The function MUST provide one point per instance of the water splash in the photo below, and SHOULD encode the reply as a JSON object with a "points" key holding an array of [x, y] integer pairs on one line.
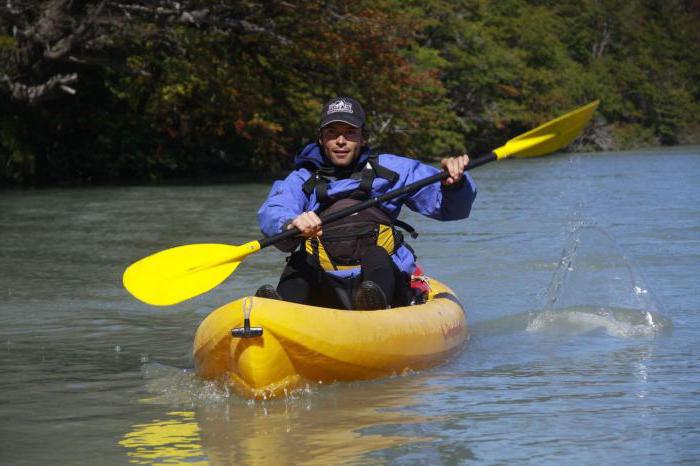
{"points": [[596, 287], [619, 322], [173, 386]]}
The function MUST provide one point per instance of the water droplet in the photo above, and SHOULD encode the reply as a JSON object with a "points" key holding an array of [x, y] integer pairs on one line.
{"points": [[650, 319]]}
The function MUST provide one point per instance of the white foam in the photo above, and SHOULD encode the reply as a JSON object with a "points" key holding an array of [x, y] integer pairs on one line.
{"points": [[623, 323]]}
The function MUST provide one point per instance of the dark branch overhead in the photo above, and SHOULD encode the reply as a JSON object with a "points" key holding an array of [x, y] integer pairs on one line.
{"points": [[58, 33]]}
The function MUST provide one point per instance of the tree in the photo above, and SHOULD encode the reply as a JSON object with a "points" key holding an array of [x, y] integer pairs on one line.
{"points": [[204, 86]]}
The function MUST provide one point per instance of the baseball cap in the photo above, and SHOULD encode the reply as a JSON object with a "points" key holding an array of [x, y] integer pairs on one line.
{"points": [[344, 109]]}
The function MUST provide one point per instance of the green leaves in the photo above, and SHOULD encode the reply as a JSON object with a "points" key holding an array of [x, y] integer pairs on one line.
{"points": [[206, 87]]}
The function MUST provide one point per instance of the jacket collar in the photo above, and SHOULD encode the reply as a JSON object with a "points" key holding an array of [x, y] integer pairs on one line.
{"points": [[311, 157]]}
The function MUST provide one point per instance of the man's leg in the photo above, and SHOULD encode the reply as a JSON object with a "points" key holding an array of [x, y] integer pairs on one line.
{"points": [[304, 281], [298, 279], [377, 266]]}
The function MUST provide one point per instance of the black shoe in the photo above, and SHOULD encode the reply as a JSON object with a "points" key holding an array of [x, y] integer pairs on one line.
{"points": [[269, 292], [370, 297]]}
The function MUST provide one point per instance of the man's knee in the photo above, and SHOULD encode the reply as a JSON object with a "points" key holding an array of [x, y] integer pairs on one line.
{"points": [[375, 253]]}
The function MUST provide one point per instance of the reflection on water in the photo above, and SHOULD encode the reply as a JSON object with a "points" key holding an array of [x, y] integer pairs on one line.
{"points": [[171, 440], [337, 425]]}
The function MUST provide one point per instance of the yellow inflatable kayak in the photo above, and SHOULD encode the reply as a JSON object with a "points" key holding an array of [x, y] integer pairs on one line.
{"points": [[287, 345]]}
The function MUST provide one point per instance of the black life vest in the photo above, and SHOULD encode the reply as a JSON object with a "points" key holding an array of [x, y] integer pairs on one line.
{"points": [[344, 241]]}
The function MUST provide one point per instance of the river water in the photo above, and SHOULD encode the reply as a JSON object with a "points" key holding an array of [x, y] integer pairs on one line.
{"points": [[580, 278]]}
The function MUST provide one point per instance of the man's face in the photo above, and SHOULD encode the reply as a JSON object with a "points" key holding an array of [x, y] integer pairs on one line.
{"points": [[341, 143]]}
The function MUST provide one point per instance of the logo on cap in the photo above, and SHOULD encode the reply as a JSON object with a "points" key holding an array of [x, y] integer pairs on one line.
{"points": [[339, 106]]}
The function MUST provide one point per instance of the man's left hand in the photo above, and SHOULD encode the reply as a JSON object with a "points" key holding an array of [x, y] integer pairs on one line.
{"points": [[455, 166]]}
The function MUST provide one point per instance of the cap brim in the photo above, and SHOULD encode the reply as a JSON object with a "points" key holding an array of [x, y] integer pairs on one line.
{"points": [[340, 121], [351, 120]]}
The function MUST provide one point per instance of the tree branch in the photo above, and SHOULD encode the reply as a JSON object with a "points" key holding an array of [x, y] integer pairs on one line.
{"points": [[41, 92]]}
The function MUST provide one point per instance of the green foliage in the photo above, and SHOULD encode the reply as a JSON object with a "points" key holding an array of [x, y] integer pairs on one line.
{"points": [[436, 77], [15, 158]]}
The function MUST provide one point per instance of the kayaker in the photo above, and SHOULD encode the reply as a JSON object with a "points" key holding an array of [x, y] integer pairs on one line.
{"points": [[361, 261]]}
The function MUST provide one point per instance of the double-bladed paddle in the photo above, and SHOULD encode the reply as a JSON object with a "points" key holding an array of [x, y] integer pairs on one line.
{"points": [[180, 273]]}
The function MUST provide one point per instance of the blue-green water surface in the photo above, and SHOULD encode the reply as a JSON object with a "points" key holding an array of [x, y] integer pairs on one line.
{"points": [[579, 273]]}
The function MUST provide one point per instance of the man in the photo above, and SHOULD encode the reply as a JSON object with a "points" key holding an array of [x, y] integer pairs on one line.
{"points": [[361, 261]]}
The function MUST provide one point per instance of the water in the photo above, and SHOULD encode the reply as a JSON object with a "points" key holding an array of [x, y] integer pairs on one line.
{"points": [[579, 273]]}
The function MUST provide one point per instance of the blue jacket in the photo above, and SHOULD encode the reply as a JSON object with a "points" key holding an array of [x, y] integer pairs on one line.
{"points": [[287, 198]]}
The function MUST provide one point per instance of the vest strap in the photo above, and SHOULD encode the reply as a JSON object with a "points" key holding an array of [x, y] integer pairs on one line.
{"points": [[409, 229], [366, 176], [386, 234], [382, 172]]}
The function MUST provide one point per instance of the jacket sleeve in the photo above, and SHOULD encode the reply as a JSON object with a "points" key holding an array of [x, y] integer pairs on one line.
{"points": [[285, 201], [438, 201]]}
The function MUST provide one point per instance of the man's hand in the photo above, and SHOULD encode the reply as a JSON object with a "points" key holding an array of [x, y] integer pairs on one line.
{"points": [[308, 223], [455, 167]]}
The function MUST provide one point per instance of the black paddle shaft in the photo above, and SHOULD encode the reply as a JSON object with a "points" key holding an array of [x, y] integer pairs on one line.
{"points": [[409, 188]]}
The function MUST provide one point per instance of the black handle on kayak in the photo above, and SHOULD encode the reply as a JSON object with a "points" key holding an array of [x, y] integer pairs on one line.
{"points": [[409, 188]]}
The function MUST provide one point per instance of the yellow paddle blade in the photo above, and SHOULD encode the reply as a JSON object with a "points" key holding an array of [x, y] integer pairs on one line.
{"points": [[176, 274], [549, 137]]}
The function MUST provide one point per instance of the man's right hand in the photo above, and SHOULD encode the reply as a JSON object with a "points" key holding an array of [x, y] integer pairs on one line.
{"points": [[308, 223]]}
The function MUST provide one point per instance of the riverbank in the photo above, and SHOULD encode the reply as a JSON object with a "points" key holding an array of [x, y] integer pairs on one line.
{"points": [[583, 145]]}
